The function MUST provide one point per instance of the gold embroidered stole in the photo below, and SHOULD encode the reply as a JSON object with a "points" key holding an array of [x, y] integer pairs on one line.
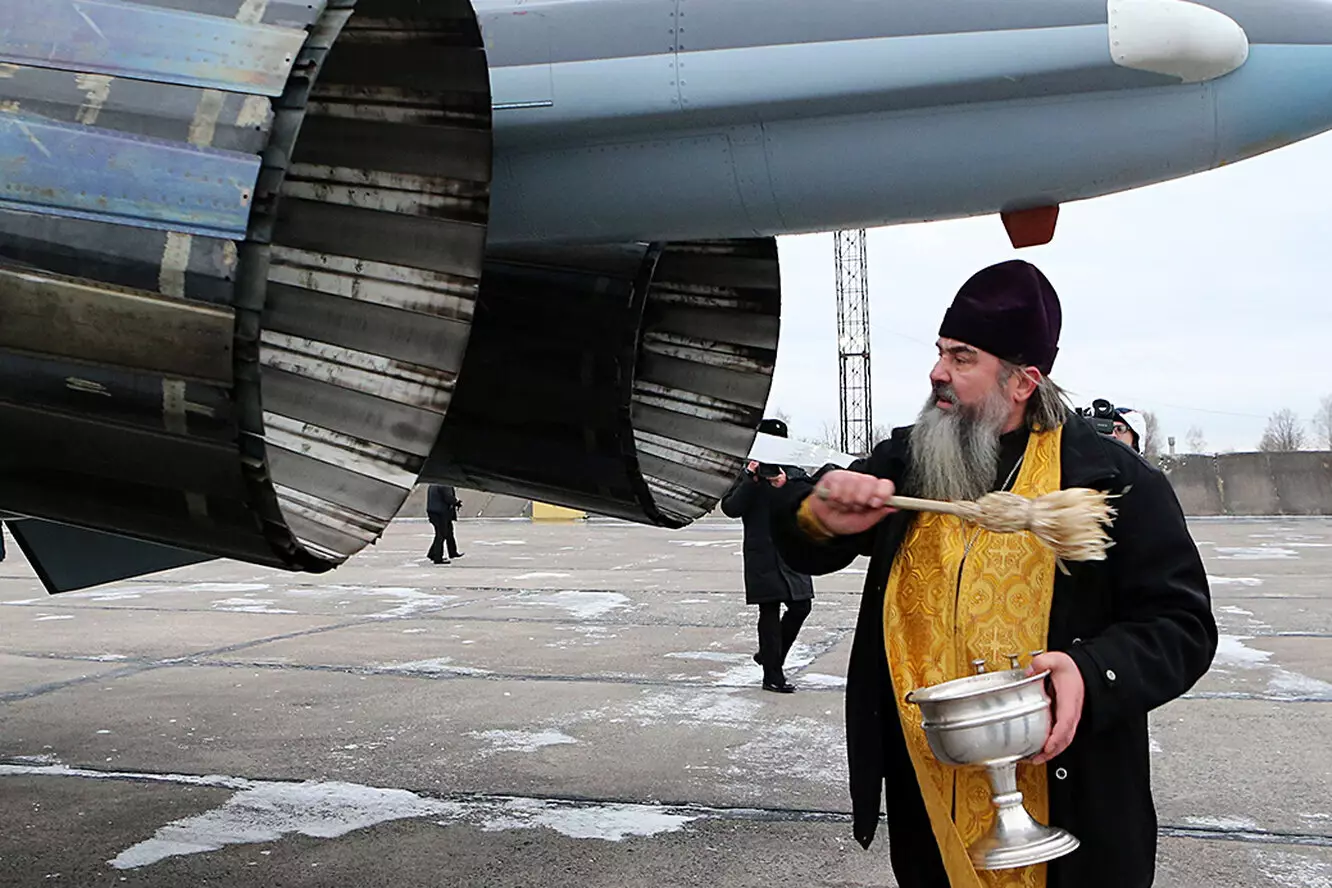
{"points": [[957, 593]]}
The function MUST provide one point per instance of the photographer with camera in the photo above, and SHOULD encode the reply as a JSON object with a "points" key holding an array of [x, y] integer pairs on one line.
{"points": [[1129, 427], [1121, 423], [769, 583]]}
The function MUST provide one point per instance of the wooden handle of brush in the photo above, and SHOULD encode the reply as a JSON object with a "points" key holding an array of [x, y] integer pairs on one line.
{"points": [[915, 504]]}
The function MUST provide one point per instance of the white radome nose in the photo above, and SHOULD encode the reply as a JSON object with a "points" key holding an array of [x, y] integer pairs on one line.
{"points": [[1175, 38]]}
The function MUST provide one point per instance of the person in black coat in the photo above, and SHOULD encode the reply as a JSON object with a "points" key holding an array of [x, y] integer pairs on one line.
{"points": [[769, 582], [1125, 635], [442, 507]]}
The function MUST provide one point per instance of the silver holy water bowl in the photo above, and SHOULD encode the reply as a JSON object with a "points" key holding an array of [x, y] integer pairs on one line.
{"points": [[994, 720]]}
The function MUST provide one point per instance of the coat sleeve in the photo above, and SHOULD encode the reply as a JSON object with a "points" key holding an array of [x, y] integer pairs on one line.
{"points": [[1162, 636], [736, 501], [813, 557]]}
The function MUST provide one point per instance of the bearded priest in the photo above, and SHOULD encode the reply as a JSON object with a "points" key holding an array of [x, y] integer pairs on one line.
{"points": [[1120, 636]]}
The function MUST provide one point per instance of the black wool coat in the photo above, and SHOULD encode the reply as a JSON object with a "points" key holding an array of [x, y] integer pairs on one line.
{"points": [[768, 579], [442, 503], [1139, 625]]}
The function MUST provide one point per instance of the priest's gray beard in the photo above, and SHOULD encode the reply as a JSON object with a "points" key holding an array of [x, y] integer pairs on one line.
{"points": [[954, 454]]}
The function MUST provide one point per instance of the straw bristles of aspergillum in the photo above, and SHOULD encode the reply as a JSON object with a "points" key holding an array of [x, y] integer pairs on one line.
{"points": [[1072, 522]]}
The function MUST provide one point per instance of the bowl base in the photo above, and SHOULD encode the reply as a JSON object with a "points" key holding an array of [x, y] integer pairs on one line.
{"points": [[1030, 846]]}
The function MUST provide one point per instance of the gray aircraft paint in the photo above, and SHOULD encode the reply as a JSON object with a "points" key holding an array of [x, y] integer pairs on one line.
{"points": [[520, 32], [777, 117], [1300, 22], [782, 81], [579, 30], [862, 170], [523, 32]]}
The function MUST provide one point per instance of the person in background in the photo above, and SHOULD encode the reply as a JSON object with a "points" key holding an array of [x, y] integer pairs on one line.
{"points": [[769, 582], [442, 505], [1129, 426]]}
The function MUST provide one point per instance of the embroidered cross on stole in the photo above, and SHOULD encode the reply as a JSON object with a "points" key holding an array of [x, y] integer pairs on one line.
{"points": [[947, 604]]}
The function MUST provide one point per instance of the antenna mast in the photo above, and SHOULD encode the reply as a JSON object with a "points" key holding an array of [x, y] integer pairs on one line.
{"points": [[853, 342]]}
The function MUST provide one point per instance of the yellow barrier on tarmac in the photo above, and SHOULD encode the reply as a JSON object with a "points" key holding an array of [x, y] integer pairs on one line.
{"points": [[546, 512]]}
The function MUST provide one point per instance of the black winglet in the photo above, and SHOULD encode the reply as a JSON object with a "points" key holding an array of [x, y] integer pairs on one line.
{"points": [[67, 558]]}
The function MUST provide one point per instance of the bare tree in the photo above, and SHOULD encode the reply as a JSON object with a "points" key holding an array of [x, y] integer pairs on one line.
{"points": [[828, 435], [1322, 422], [1284, 433], [1151, 436], [1195, 440]]}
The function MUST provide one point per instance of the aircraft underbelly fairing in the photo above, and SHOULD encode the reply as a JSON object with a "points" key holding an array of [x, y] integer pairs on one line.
{"points": [[265, 265], [240, 299]]}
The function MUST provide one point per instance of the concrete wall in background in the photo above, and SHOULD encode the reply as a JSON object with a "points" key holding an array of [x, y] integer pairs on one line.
{"points": [[1253, 483]]}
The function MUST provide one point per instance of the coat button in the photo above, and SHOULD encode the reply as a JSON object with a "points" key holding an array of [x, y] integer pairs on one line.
{"points": [[1110, 674], [1061, 773]]}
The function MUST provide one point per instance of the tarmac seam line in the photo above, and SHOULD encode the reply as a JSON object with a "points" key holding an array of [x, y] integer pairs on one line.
{"points": [[446, 675], [1249, 836], [139, 667]]}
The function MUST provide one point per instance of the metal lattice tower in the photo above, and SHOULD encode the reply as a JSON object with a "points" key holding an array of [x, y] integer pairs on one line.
{"points": [[853, 341]]}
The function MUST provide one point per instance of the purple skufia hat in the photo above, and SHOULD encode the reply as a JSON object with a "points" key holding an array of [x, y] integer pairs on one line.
{"points": [[1009, 310]]}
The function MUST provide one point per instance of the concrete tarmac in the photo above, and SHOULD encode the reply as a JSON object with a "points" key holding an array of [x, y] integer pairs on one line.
{"points": [[567, 705]]}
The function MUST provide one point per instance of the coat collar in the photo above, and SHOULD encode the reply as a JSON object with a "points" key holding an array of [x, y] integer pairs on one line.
{"points": [[1086, 459]]}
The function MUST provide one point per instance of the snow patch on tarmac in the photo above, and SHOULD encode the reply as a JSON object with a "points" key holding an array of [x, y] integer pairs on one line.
{"points": [[579, 604], [263, 811], [521, 741], [1291, 869], [1232, 653]]}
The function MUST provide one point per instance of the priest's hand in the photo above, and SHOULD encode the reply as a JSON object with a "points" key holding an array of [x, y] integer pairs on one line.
{"points": [[1068, 690], [850, 502]]}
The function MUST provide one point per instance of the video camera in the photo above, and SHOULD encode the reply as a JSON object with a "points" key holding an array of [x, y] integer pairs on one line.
{"points": [[1102, 415]]}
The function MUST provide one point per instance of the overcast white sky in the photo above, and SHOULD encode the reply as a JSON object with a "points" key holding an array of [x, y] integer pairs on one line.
{"points": [[1207, 300]]}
